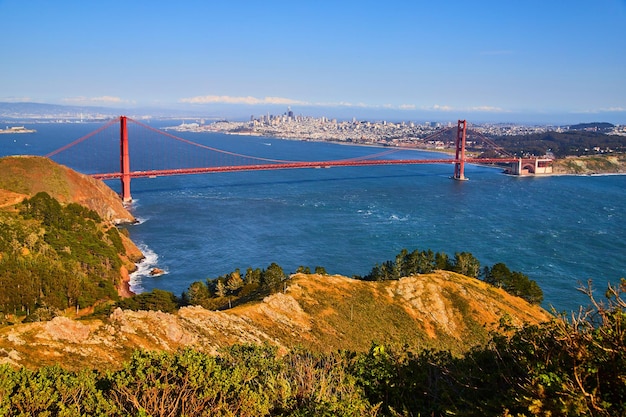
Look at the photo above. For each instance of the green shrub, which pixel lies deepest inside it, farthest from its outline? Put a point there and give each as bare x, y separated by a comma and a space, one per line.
155, 300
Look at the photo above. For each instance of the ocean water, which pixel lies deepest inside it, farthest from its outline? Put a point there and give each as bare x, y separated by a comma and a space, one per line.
560, 231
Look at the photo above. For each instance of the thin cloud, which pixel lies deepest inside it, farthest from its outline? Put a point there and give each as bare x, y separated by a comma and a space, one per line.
602, 110
16, 99
346, 104
253, 101
487, 109
95, 100
437, 107
483, 109
249, 100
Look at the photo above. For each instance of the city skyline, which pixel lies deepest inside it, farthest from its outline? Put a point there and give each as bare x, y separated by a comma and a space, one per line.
486, 60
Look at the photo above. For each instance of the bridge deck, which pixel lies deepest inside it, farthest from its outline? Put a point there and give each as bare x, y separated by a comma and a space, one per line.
293, 165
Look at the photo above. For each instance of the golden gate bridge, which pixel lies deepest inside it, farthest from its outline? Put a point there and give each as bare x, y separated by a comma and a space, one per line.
176, 162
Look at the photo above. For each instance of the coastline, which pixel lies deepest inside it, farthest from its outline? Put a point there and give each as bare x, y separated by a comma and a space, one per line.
336, 142
603, 164
617, 168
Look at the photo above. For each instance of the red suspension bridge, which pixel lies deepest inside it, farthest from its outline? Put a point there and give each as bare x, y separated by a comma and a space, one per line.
206, 159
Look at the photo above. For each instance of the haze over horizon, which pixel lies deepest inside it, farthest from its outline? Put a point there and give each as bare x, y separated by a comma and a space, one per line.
552, 62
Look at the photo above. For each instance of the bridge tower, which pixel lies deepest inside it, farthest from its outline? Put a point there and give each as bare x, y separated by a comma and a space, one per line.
459, 165
124, 161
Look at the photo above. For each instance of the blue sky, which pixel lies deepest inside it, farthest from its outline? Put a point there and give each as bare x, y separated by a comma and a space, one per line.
548, 59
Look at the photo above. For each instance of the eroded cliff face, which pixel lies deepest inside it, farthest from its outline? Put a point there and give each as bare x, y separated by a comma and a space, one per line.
323, 313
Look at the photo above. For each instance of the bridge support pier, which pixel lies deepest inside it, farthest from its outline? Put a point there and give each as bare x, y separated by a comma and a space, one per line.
459, 165
124, 161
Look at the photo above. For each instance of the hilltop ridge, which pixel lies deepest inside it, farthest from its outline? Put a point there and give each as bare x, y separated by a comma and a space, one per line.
28, 175
323, 313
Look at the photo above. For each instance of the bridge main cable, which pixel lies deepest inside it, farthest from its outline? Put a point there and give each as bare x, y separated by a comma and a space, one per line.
81, 139
189, 142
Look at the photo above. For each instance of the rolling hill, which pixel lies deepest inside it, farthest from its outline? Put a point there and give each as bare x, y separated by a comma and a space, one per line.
323, 313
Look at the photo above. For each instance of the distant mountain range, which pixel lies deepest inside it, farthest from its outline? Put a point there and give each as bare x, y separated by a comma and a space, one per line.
594, 127
37, 110
43, 111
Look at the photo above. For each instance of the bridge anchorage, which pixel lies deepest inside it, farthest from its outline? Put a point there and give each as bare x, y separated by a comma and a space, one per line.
218, 160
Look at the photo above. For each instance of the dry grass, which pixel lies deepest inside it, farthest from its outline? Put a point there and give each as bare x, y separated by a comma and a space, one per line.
323, 313
28, 175
598, 164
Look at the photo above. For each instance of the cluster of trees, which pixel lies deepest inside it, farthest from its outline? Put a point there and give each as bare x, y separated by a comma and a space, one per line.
513, 282
423, 262
234, 288
565, 367
53, 257
561, 144
214, 293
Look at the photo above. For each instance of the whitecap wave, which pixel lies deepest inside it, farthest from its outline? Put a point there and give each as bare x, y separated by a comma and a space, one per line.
141, 220
395, 217
144, 269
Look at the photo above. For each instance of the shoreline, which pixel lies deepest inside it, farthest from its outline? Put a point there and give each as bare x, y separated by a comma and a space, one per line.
438, 151
335, 142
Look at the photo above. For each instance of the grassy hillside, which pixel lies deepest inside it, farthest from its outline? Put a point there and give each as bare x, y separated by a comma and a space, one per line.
587, 165
28, 175
561, 367
323, 313
59, 247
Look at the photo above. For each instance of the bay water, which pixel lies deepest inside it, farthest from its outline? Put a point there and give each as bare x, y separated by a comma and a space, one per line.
560, 230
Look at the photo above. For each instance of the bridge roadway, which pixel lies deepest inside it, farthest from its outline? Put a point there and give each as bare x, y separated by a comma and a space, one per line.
295, 165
